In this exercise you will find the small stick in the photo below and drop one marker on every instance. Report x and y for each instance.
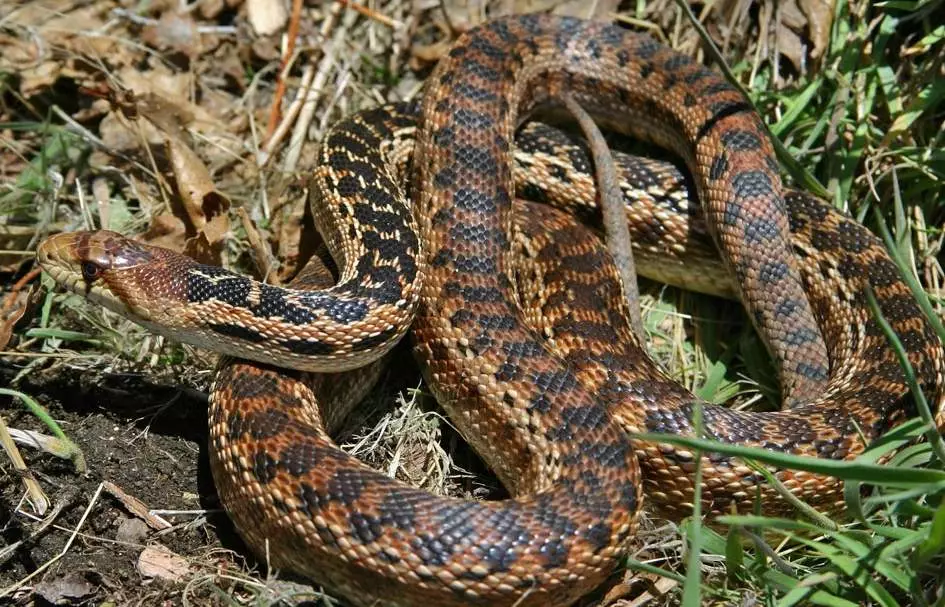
(370, 14)
(136, 506)
(275, 111)
(270, 147)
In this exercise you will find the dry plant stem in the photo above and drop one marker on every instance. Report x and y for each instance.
(136, 506)
(258, 248)
(65, 498)
(34, 492)
(370, 14)
(313, 95)
(612, 207)
(75, 532)
(293, 33)
(288, 119)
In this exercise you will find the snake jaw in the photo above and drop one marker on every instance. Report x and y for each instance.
(84, 262)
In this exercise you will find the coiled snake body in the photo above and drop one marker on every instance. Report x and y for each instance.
(552, 424)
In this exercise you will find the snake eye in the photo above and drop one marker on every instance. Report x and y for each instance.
(90, 271)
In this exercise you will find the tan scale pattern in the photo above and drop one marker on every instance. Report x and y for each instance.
(539, 417)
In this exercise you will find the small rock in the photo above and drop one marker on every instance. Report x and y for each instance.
(67, 589)
(132, 531)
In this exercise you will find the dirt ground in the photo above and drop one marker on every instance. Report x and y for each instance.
(95, 97)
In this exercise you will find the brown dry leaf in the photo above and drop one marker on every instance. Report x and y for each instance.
(176, 32)
(266, 16)
(58, 40)
(17, 52)
(791, 46)
(167, 95)
(465, 14)
(207, 245)
(117, 136)
(15, 305)
(288, 223)
(210, 9)
(166, 231)
(63, 18)
(158, 561)
(41, 77)
(70, 588)
(202, 202)
(8, 321)
(257, 247)
(798, 19)
(436, 39)
(267, 49)
(820, 19)
(198, 194)
(167, 116)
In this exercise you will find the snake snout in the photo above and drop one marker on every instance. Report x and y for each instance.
(104, 250)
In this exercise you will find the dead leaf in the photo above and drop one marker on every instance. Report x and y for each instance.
(174, 31)
(169, 117)
(211, 9)
(158, 561)
(132, 531)
(15, 305)
(791, 46)
(172, 99)
(820, 19)
(289, 222)
(800, 19)
(117, 136)
(198, 194)
(465, 14)
(257, 246)
(41, 77)
(426, 53)
(166, 231)
(207, 245)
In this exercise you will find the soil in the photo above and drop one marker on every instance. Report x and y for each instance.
(149, 439)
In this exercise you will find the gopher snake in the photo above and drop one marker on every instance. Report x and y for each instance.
(540, 420)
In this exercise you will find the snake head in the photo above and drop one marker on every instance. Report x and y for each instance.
(107, 268)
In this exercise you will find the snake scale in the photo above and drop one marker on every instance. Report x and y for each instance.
(552, 423)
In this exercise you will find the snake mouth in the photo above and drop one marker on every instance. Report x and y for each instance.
(79, 262)
(54, 259)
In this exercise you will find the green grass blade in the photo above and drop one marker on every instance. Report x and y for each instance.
(933, 436)
(691, 588)
(850, 470)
